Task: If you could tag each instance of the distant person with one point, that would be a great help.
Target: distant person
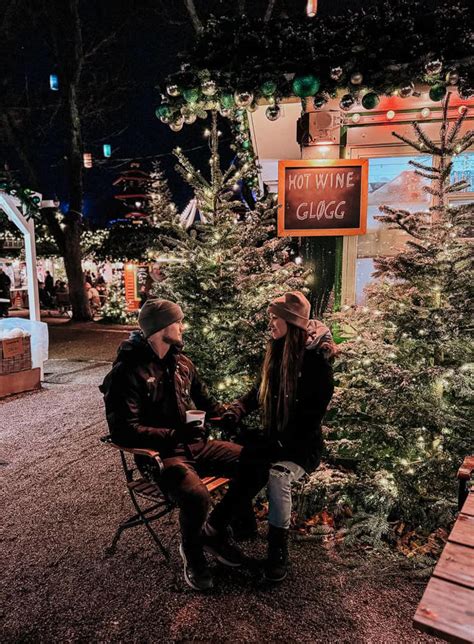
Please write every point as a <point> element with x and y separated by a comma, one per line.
<point>93,297</point>
<point>49,284</point>
<point>5,285</point>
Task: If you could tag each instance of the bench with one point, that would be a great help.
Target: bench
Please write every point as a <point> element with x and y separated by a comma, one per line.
<point>148,499</point>
<point>447,606</point>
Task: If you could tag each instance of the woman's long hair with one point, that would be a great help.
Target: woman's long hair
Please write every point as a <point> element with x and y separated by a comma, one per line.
<point>279,382</point>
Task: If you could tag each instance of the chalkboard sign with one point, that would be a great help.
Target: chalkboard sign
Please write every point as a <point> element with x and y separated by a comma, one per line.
<point>322,197</point>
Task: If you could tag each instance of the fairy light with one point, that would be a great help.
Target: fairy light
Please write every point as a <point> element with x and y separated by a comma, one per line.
<point>425,112</point>
<point>390,115</point>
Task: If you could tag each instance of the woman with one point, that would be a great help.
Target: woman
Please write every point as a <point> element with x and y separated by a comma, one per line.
<point>296,385</point>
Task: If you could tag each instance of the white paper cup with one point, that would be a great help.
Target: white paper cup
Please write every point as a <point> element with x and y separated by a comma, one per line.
<point>195,414</point>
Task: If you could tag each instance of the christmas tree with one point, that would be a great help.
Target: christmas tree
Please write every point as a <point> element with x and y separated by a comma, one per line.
<point>115,310</point>
<point>161,203</point>
<point>230,268</point>
<point>400,417</point>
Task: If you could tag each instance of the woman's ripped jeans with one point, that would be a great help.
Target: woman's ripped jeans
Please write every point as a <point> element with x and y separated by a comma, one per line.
<point>282,475</point>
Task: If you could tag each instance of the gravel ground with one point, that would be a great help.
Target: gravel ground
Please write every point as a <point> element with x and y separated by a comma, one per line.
<point>63,495</point>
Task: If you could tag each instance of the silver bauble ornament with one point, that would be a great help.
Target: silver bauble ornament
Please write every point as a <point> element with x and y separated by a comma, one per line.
<point>176,127</point>
<point>225,112</point>
<point>356,78</point>
<point>190,118</point>
<point>346,102</point>
<point>434,67</point>
<point>465,92</point>
<point>173,90</point>
<point>209,88</point>
<point>452,77</point>
<point>319,100</point>
<point>406,90</point>
<point>165,119</point>
<point>273,112</point>
<point>243,99</point>
<point>252,107</point>
<point>336,73</point>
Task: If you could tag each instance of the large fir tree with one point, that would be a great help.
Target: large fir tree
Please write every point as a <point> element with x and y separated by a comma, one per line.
<point>229,270</point>
<point>401,417</point>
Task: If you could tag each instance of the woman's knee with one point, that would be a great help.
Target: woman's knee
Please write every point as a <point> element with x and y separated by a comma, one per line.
<point>279,481</point>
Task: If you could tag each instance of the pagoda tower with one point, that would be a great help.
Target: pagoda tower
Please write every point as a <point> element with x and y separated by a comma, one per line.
<point>133,185</point>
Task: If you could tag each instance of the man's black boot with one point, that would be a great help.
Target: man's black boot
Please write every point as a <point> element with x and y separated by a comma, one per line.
<point>218,543</point>
<point>276,565</point>
<point>244,523</point>
<point>196,571</point>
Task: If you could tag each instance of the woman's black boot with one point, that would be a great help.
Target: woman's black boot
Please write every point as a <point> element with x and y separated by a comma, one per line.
<point>276,565</point>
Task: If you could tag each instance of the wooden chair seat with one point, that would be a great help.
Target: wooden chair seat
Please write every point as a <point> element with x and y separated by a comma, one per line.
<point>139,487</point>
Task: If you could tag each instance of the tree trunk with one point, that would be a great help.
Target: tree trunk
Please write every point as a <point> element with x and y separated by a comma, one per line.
<point>72,258</point>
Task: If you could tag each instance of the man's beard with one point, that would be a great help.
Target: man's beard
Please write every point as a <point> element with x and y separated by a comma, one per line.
<point>173,341</point>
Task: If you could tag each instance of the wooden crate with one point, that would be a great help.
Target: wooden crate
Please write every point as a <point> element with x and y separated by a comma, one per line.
<point>19,362</point>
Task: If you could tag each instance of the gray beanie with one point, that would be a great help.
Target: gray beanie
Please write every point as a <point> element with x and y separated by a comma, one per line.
<point>157,314</point>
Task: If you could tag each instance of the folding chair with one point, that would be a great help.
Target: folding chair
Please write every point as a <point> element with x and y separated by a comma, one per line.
<point>148,499</point>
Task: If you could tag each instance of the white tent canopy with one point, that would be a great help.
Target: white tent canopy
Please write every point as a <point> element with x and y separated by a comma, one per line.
<point>11,206</point>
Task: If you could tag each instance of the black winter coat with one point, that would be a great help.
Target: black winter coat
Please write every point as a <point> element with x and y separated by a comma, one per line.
<point>146,398</point>
<point>301,441</point>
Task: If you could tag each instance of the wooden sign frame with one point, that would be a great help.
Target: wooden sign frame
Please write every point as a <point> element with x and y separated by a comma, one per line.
<point>363,164</point>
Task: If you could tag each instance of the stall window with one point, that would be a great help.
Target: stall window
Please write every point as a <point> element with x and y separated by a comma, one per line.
<point>392,182</point>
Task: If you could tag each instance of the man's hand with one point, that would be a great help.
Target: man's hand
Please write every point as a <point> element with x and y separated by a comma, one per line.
<point>228,422</point>
<point>189,432</point>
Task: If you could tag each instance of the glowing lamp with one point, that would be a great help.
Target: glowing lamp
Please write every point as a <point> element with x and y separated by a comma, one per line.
<point>425,112</point>
<point>54,82</point>
<point>311,8</point>
<point>107,149</point>
<point>390,115</point>
<point>87,159</point>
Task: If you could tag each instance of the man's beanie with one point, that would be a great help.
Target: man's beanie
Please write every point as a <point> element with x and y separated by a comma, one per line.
<point>157,314</point>
<point>292,307</point>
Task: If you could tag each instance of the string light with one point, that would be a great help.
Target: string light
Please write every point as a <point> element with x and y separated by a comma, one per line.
<point>390,115</point>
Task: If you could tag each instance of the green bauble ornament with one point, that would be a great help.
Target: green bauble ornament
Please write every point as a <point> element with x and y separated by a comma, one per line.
<point>437,92</point>
<point>246,144</point>
<point>268,88</point>
<point>370,101</point>
<point>191,94</point>
<point>304,86</point>
<point>227,101</point>
<point>163,112</point>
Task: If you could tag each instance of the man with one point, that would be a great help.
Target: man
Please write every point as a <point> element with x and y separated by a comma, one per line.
<point>5,284</point>
<point>147,393</point>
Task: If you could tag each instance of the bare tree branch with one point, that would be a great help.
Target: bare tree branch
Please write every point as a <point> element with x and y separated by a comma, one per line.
<point>191,7</point>
<point>269,11</point>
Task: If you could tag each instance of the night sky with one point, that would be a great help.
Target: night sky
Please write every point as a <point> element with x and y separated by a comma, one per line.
<point>145,51</point>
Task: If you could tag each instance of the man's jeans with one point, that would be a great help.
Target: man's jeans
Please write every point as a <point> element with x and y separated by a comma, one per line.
<point>282,475</point>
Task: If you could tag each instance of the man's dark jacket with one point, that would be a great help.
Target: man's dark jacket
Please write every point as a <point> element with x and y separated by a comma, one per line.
<point>146,398</point>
